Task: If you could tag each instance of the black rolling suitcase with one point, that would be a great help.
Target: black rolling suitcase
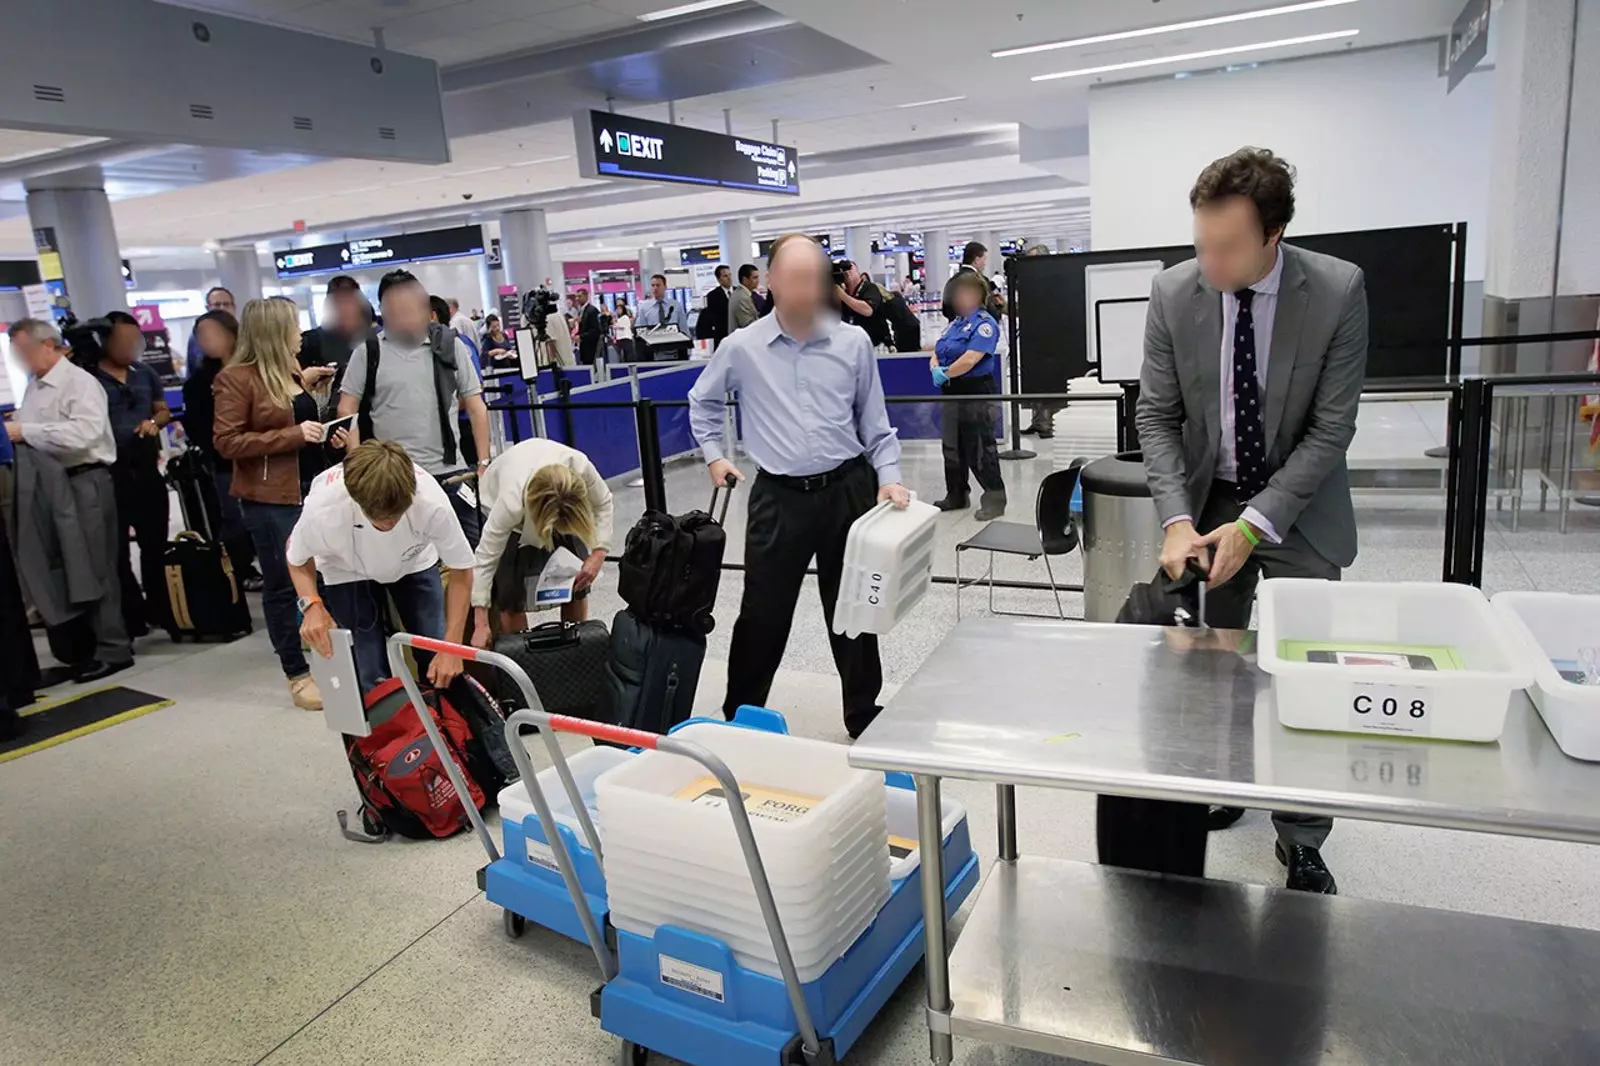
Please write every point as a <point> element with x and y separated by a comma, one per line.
<point>1160,836</point>
<point>653,673</point>
<point>672,565</point>
<point>566,661</point>
<point>203,591</point>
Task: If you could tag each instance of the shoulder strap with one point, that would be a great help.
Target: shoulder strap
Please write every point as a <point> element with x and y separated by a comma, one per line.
<point>442,341</point>
<point>364,412</point>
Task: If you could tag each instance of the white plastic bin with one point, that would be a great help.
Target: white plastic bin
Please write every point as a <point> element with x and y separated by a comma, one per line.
<point>888,568</point>
<point>1469,703</point>
<point>902,818</point>
<point>586,765</point>
<point>1558,625</point>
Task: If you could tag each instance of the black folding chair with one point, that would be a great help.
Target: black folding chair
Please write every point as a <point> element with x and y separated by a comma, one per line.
<point>1051,534</point>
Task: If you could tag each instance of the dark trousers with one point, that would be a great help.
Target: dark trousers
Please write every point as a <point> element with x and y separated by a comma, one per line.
<point>96,494</point>
<point>1229,608</point>
<point>361,606</point>
<point>969,445</point>
<point>142,506</point>
<point>270,525</point>
<point>470,517</point>
<point>786,527</point>
<point>226,520</point>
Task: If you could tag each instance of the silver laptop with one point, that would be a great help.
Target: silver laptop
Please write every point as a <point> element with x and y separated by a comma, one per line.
<point>342,708</point>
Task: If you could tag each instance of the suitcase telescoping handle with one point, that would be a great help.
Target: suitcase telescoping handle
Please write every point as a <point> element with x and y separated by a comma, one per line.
<point>551,724</point>
<point>725,490</point>
<point>1201,577</point>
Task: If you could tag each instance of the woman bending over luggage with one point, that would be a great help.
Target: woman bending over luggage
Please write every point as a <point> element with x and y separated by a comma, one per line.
<point>542,496</point>
<point>268,426</point>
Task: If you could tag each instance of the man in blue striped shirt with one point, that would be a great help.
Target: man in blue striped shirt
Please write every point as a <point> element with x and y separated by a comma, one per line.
<point>817,429</point>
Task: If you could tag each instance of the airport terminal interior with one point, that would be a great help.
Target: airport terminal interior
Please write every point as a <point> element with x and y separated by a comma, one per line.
<point>174,884</point>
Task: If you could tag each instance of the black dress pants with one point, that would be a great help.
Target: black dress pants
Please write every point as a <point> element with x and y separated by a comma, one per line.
<point>788,525</point>
<point>968,438</point>
<point>142,507</point>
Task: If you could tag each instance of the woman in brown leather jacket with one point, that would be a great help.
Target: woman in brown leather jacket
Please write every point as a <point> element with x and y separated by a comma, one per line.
<point>268,425</point>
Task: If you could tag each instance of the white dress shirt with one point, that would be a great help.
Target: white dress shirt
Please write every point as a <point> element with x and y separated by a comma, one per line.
<point>64,415</point>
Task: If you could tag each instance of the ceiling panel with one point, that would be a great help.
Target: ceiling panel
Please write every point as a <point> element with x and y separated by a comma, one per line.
<point>24,144</point>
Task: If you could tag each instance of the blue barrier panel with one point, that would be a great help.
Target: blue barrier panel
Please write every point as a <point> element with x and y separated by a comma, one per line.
<point>907,375</point>
<point>518,425</point>
<point>608,436</point>
<point>578,375</point>
<point>673,422</point>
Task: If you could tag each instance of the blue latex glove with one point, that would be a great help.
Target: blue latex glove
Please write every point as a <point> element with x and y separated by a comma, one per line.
<point>940,377</point>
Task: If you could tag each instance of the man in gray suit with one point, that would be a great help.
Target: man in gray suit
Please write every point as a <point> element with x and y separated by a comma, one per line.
<point>1255,354</point>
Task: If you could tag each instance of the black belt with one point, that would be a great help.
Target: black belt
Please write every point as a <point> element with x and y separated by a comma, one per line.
<point>84,468</point>
<point>817,482</point>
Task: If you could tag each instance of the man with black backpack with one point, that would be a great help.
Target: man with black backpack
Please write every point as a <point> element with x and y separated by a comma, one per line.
<point>409,383</point>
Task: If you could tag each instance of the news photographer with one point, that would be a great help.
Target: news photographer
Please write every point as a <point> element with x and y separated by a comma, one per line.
<point>553,347</point>
<point>861,302</point>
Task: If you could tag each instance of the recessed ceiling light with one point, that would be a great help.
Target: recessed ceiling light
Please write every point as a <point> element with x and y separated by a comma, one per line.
<point>686,9</point>
<point>926,103</point>
<point>1187,56</point>
<point>1174,27</point>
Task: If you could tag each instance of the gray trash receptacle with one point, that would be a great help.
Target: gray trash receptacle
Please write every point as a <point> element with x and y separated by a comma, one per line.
<point>1121,533</point>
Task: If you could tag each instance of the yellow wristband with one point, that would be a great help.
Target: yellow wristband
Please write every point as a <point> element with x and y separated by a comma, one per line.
<point>1249,534</point>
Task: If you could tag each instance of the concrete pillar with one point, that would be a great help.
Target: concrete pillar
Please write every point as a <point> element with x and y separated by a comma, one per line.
<point>525,250</point>
<point>991,241</point>
<point>1063,243</point>
<point>733,237</point>
<point>935,258</point>
<point>651,261</point>
<point>902,266</point>
<point>73,206</point>
<point>858,246</point>
<point>239,271</point>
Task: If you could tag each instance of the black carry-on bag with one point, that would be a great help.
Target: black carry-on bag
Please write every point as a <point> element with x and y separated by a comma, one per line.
<point>653,673</point>
<point>1160,836</point>
<point>672,565</point>
<point>204,594</point>
<point>566,661</point>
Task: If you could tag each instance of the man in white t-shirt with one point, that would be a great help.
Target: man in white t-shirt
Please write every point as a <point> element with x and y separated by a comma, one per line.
<point>377,527</point>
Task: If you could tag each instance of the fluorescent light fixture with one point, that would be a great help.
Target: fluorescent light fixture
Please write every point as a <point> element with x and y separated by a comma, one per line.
<point>1174,27</point>
<point>686,9</point>
<point>540,162</point>
<point>928,103</point>
<point>1187,56</point>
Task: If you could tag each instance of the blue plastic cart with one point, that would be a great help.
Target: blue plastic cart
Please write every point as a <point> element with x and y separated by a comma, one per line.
<point>680,992</point>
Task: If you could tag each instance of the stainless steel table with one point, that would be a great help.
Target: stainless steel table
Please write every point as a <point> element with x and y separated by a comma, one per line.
<point>1114,966</point>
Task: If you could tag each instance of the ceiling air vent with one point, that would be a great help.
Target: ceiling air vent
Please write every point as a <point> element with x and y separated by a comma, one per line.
<point>50,94</point>
<point>302,123</point>
<point>201,111</point>
<point>385,133</point>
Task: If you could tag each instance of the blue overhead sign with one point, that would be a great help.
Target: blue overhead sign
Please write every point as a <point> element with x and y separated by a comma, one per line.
<point>617,146</point>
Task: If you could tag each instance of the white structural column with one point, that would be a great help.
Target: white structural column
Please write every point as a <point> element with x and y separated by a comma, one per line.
<point>239,271</point>
<point>935,258</point>
<point>525,250</point>
<point>858,246</point>
<point>902,266</point>
<point>74,206</point>
<point>651,261</point>
<point>1063,243</point>
<point>733,237</point>
<point>988,239</point>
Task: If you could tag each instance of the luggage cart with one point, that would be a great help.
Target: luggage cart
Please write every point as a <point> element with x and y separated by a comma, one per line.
<point>747,1022</point>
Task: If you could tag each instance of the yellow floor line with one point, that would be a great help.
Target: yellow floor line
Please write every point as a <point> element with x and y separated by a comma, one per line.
<point>83,730</point>
<point>45,705</point>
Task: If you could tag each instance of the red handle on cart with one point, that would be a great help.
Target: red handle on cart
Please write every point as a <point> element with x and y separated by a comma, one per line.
<point>616,734</point>
<point>442,647</point>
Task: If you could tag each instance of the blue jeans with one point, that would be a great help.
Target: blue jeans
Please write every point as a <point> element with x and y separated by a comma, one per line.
<point>270,525</point>
<point>359,607</point>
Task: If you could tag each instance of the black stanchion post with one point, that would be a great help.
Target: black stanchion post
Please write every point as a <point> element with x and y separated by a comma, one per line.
<point>650,465</point>
<point>1469,463</point>
<point>1127,428</point>
<point>1013,363</point>
<point>1452,478</point>
<point>564,395</point>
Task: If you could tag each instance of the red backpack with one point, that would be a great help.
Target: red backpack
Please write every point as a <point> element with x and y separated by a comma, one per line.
<point>403,784</point>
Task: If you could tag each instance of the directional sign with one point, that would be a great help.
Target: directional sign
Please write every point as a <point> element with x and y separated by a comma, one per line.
<point>393,251</point>
<point>616,146</point>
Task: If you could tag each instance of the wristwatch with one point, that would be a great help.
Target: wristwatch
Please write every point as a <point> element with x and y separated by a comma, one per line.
<point>305,603</point>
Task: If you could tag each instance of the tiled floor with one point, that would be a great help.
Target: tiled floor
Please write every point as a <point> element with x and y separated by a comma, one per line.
<point>174,890</point>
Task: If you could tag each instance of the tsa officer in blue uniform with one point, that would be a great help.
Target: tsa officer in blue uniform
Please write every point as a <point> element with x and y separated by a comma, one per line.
<point>963,364</point>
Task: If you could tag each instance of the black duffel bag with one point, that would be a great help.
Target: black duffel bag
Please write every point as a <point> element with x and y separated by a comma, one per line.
<point>672,565</point>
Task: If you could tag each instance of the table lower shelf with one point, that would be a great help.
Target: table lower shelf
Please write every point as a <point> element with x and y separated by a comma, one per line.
<point>1116,967</point>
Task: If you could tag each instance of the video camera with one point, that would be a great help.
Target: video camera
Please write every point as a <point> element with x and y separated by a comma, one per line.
<point>537,307</point>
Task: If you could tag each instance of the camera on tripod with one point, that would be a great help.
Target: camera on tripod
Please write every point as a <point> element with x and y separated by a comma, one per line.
<point>537,307</point>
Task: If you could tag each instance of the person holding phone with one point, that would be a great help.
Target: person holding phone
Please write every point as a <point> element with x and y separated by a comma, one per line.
<point>268,426</point>
<point>377,527</point>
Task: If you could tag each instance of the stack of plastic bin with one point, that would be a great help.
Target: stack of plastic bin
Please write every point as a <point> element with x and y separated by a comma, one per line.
<point>888,568</point>
<point>673,862</point>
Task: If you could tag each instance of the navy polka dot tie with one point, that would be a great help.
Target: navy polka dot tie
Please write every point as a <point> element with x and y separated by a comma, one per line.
<point>1249,438</point>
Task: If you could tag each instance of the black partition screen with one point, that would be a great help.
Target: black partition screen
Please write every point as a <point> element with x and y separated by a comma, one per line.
<point>1410,274</point>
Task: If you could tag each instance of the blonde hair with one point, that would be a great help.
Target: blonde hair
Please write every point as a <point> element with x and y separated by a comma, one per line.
<point>556,500</point>
<point>381,479</point>
<point>269,340</point>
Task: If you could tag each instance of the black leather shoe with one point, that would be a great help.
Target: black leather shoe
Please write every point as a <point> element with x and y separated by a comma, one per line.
<point>95,670</point>
<point>947,504</point>
<point>1222,817</point>
<point>1307,871</point>
<point>991,506</point>
<point>51,676</point>
<point>1030,429</point>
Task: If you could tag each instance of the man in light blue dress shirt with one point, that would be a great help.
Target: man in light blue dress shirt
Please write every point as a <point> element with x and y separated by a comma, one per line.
<point>816,426</point>
<point>659,310</point>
